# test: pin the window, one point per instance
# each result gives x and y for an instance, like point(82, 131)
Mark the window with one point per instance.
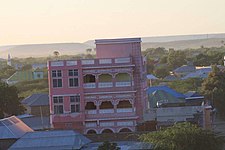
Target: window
point(57, 83)
point(75, 103)
point(73, 82)
point(58, 109)
point(74, 99)
point(58, 104)
point(73, 72)
point(56, 73)
point(58, 99)
point(75, 108)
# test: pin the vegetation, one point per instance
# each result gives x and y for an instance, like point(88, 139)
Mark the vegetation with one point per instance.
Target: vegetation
point(108, 146)
point(6, 72)
point(213, 89)
point(27, 88)
point(9, 101)
point(183, 86)
point(184, 136)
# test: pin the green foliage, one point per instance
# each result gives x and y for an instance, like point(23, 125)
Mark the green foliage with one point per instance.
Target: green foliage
point(108, 146)
point(183, 86)
point(161, 72)
point(213, 89)
point(9, 100)
point(176, 59)
point(27, 88)
point(184, 136)
point(6, 72)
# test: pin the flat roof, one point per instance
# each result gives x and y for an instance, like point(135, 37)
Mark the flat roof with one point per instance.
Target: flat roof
point(119, 40)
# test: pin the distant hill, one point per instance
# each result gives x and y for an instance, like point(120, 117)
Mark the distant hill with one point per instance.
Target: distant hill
point(178, 42)
point(39, 50)
point(184, 44)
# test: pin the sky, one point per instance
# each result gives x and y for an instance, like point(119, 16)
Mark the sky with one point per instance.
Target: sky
point(59, 21)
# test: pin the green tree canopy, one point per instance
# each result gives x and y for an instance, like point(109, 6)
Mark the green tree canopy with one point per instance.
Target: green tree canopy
point(108, 146)
point(176, 58)
point(184, 136)
point(9, 100)
point(213, 88)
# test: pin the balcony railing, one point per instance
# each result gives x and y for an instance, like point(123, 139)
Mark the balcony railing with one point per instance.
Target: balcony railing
point(89, 85)
point(92, 111)
point(105, 84)
point(123, 84)
point(123, 110)
point(106, 111)
point(91, 124)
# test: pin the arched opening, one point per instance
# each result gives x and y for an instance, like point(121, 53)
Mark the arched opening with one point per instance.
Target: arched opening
point(107, 131)
point(124, 104)
point(89, 78)
point(124, 130)
point(106, 105)
point(123, 77)
point(90, 106)
point(91, 132)
point(105, 78)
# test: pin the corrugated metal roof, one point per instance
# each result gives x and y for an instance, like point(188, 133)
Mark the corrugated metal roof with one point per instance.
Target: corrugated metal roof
point(36, 122)
point(185, 68)
point(13, 127)
point(50, 140)
point(36, 100)
point(163, 93)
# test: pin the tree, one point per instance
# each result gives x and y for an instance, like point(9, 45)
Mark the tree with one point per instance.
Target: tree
point(176, 59)
point(56, 53)
point(88, 50)
point(108, 146)
point(213, 89)
point(161, 72)
point(184, 136)
point(9, 101)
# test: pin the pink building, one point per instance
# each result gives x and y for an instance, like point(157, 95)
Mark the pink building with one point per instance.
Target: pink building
point(101, 95)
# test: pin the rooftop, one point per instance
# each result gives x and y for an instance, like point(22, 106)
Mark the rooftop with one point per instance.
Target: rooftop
point(36, 100)
point(50, 140)
point(113, 41)
point(13, 128)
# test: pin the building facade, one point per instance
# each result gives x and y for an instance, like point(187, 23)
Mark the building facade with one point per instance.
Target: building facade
point(102, 95)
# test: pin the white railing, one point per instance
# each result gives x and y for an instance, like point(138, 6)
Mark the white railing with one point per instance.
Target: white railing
point(91, 112)
point(105, 84)
point(123, 110)
point(88, 62)
point(106, 124)
point(122, 60)
point(91, 124)
point(106, 111)
point(105, 61)
point(57, 63)
point(125, 123)
point(71, 63)
point(123, 84)
point(89, 85)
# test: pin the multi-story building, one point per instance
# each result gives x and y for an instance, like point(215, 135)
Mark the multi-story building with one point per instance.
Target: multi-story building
point(101, 95)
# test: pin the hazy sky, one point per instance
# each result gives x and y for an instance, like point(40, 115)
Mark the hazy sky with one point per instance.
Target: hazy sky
point(50, 21)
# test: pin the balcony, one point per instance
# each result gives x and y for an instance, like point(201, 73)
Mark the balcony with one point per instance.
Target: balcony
point(89, 85)
point(92, 112)
point(106, 111)
point(124, 110)
point(90, 124)
point(105, 84)
point(123, 84)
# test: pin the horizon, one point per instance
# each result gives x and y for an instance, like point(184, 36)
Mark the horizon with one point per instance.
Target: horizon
point(159, 36)
point(56, 21)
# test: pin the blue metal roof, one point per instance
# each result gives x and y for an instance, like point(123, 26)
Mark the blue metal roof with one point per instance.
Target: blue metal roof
point(50, 140)
point(166, 89)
